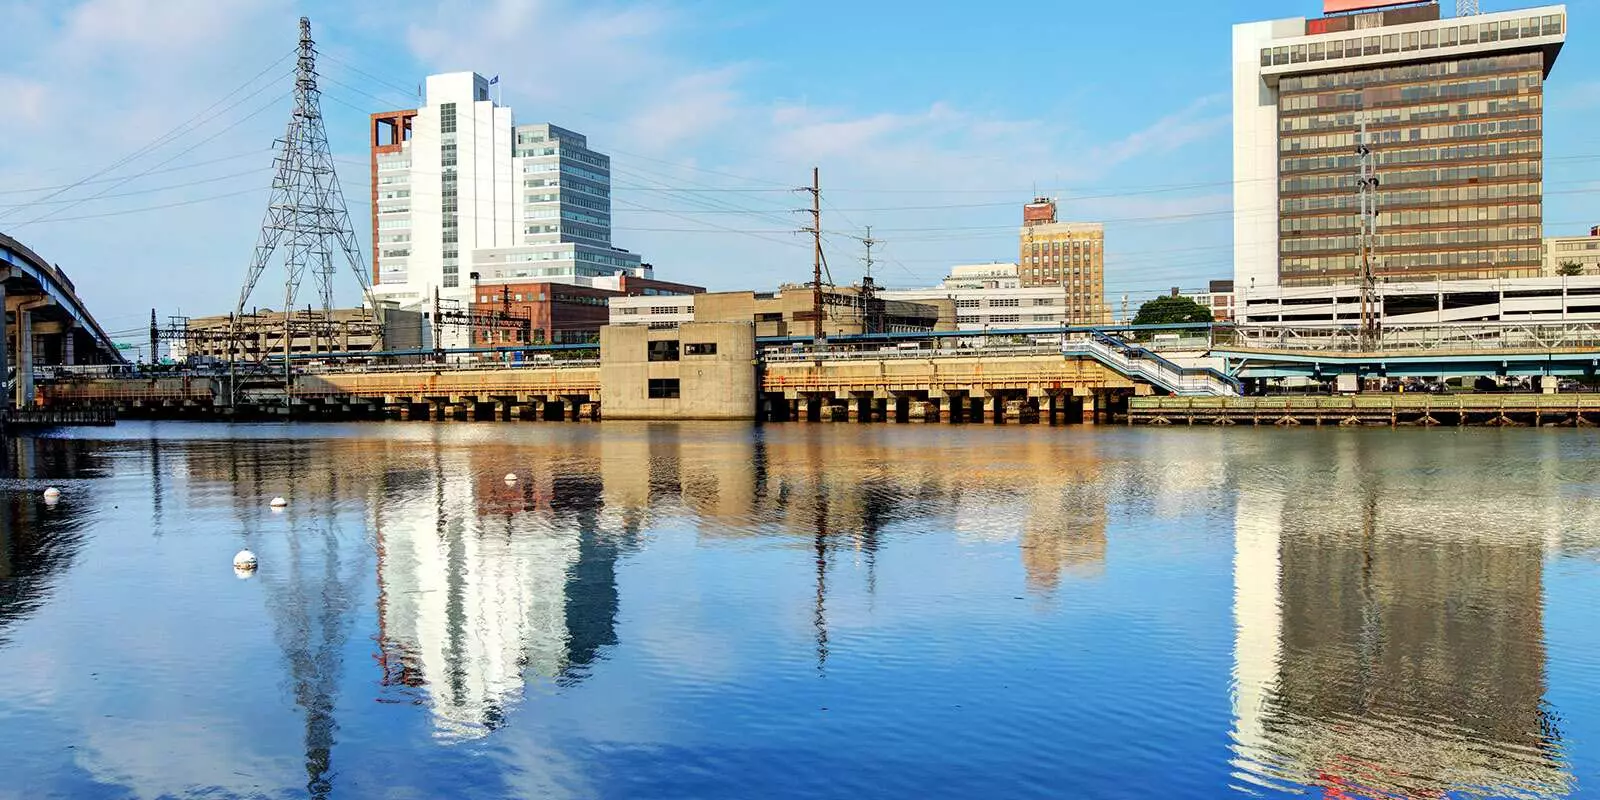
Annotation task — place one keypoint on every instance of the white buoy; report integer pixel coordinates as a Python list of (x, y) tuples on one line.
[(245, 560), (52, 494), (244, 573), (511, 477), (278, 502)]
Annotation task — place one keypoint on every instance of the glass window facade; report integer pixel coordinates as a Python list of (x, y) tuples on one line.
[(1458, 146)]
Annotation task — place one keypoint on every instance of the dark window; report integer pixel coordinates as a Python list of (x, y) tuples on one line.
[(705, 349), (664, 350), (663, 388)]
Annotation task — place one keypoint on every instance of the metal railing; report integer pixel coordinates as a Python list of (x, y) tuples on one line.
[(1485, 337), (1135, 361), (785, 355)]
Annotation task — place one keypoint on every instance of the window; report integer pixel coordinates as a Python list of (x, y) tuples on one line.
[(665, 350), (700, 349), (1004, 302), (663, 388)]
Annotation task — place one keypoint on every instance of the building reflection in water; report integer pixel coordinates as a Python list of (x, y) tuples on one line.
[(1389, 632), (484, 585)]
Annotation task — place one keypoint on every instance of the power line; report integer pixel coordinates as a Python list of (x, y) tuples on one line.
[(171, 135), (51, 214)]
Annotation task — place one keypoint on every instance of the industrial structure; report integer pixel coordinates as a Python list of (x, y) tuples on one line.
[(306, 222), (1447, 115)]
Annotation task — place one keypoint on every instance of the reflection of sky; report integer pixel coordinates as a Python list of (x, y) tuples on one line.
[(949, 670)]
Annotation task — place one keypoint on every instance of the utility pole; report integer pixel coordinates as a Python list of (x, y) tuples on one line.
[(816, 255), (155, 336), (869, 291), (1367, 187)]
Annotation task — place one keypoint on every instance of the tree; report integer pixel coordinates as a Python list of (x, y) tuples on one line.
[(1169, 310), (1569, 268)]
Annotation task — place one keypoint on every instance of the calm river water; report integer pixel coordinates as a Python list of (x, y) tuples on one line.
[(721, 611)]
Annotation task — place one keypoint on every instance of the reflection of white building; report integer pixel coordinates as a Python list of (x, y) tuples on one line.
[(1389, 628), (469, 602)]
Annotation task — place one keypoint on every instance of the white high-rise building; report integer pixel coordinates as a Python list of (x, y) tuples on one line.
[(1452, 112), (463, 195)]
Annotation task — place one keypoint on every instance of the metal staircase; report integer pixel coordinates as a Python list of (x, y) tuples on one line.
[(1141, 364)]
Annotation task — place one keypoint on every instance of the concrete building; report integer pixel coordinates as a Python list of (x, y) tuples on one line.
[(562, 313), (788, 311), (1527, 300), (459, 190), (700, 370), (1069, 255), (982, 276), (1454, 115), (1581, 250), (1218, 297), (261, 334), (991, 296)]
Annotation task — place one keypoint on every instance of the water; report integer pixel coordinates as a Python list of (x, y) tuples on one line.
[(717, 611)]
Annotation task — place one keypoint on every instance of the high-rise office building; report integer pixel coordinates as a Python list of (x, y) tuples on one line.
[(461, 196), (1070, 255), (1453, 114)]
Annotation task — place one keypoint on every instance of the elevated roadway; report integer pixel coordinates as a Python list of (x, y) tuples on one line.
[(45, 323)]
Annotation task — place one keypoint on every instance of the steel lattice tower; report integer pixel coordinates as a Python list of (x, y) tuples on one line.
[(306, 217)]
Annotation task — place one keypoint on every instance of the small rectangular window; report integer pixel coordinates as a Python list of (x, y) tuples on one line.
[(663, 388), (700, 349), (664, 350)]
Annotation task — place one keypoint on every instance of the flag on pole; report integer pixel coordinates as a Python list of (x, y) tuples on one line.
[(494, 80)]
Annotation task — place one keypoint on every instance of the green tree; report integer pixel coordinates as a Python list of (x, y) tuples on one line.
[(1569, 268), (1168, 310)]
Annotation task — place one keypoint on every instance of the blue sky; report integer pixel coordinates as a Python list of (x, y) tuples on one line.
[(933, 122)]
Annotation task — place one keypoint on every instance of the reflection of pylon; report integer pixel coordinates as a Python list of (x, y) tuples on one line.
[(306, 216)]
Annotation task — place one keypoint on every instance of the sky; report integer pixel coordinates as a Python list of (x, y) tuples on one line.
[(138, 134)]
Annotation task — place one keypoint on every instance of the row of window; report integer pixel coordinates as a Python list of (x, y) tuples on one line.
[(1346, 199), (394, 194), (1433, 112), (570, 184), (388, 163), (1457, 36), (1421, 72), (1510, 171), (1451, 258), (1428, 238), (1414, 217), (1415, 155), (1379, 139), (1374, 97)]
